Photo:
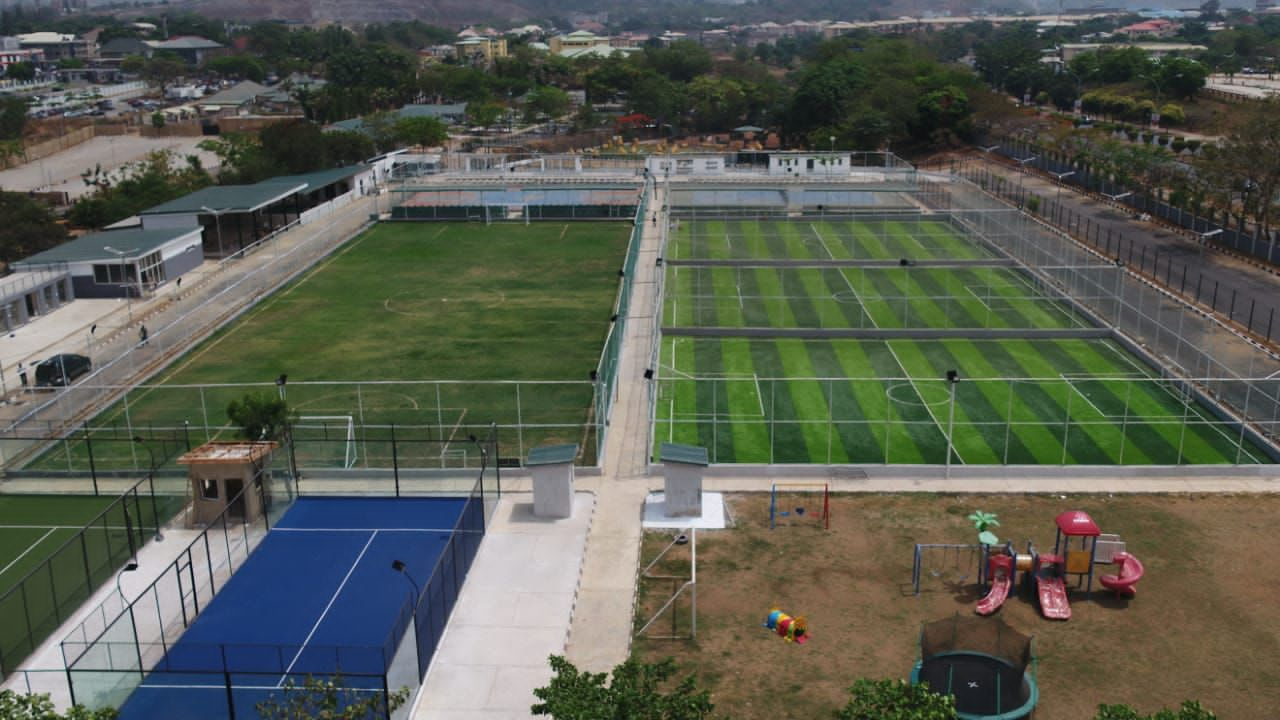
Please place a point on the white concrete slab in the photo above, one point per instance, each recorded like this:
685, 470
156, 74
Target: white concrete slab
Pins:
712, 518
514, 611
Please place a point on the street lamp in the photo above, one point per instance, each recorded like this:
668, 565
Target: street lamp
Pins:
832, 138
128, 294
130, 567
400, 567
1061, 176
953, 379
217, 223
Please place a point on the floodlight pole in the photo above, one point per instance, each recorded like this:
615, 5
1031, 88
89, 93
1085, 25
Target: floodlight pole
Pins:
953, 378
1061, 176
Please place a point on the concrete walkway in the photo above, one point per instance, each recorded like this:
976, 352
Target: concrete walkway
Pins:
601, 634
512, 614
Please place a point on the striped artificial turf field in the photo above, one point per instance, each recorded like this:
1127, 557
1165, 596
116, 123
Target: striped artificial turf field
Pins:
825, 239
1055, 401
844, 297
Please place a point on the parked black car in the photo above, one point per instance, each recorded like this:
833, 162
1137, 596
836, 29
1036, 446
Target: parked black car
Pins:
62, 370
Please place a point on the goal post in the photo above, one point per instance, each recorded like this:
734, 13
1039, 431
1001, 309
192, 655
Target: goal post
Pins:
337, 429
800, 503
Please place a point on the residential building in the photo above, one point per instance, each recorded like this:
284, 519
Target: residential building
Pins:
1069, 51
577, 40
120, 48
58, 46
480, 51
1158, 27
12, 56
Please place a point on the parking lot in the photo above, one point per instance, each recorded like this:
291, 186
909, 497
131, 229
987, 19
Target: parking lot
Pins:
62, 171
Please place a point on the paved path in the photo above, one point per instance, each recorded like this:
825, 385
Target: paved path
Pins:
61, 171
601, 633
1251, 281
512, 614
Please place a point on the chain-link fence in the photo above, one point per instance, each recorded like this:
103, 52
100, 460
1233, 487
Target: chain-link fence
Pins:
337, 425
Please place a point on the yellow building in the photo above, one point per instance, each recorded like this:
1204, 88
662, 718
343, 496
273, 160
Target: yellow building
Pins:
480, 50
576, 42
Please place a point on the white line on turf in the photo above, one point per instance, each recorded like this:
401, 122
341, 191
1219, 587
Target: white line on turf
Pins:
856, 296
759, 394
823, 241
350, 571
927, 406
977, 297
1072, 385
27, 551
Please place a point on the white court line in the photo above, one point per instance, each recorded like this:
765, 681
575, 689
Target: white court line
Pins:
823, 241
759, 394
1144, 372
365, 530
223, 688
1086, 397
856, 296
332, 600
1054, 303
27, 551
978, 297
927, 406
60, 527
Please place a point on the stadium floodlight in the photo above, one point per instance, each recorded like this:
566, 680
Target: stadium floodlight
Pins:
1118, 196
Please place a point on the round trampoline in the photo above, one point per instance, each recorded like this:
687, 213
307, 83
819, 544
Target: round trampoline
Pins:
987, 666
985, 687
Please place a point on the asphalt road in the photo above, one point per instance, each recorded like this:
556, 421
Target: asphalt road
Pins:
1205, 268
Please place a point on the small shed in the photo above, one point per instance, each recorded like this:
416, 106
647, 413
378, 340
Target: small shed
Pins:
118, 263
226, 475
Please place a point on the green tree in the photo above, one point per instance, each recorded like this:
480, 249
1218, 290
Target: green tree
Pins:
330, 700
158, 178
895, 700
27, 227
682, 61
238, 66
21, 71
161, 71
133, 64
347, 147
546, 101
70, 63
14, 706
261, 416
484, 114
13, 117
422, 131
634, 690
157, 120
1189, 710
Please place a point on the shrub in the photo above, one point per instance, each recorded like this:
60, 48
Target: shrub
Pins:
1172, 114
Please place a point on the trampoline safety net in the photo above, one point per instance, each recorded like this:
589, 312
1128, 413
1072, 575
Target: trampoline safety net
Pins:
988, 636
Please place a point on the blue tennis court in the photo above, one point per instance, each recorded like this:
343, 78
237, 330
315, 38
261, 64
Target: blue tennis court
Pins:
318, 597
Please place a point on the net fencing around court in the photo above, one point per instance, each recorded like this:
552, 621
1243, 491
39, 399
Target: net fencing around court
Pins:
883, 420
1227, 366
32, 608
175, 418
111, 654
513, 202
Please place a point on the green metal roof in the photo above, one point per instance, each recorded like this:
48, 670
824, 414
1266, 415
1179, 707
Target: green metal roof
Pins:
552, 454
90, 248
320, 178
229, 198
686, 454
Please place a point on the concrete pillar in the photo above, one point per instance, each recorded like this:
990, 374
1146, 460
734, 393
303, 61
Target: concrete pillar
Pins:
683, 466
552, 469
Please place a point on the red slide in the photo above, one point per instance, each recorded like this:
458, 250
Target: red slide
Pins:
1123, 582
1052, 590
1000, 570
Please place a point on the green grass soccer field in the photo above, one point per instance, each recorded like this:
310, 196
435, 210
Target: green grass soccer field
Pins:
412, 302
762, 399
40, 551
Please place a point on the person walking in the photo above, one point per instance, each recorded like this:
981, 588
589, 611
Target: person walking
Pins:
22, 376
142, 335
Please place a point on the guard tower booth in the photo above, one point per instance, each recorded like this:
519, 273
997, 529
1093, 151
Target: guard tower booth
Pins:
220, 471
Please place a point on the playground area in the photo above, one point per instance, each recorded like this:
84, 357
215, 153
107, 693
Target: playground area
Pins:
1200, 626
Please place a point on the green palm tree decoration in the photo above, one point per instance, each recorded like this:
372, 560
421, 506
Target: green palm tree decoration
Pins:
983, 522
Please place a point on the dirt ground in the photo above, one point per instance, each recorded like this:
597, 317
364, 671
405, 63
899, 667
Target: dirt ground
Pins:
1205, 624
